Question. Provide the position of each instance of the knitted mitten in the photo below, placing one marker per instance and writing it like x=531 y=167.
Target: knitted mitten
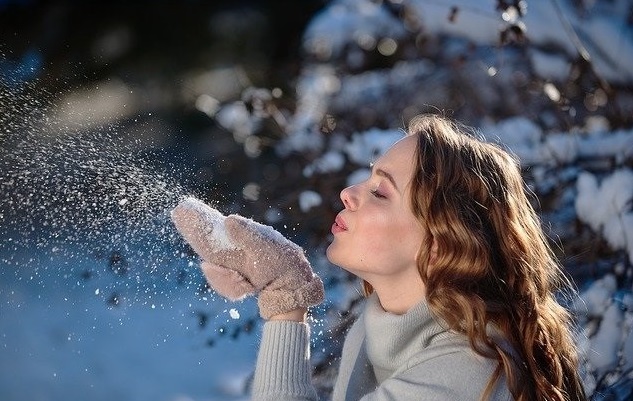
x=241 y=257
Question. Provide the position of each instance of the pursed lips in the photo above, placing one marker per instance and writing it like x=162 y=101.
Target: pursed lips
x=338 y=225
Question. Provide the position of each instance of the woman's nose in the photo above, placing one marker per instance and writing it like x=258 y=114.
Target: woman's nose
x=348 y=197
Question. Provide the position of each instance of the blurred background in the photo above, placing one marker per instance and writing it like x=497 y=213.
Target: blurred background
x=160 y=66
x=111 y=112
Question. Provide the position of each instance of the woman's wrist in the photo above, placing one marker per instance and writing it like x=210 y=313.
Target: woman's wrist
x=295 y=315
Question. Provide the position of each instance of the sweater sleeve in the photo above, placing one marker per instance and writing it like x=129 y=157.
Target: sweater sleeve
x=283 y=371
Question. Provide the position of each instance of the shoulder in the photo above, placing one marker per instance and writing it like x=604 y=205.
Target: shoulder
x=449 y=363
x=354 y=337
x=452 y=351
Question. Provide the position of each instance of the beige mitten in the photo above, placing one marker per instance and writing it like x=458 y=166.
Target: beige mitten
x=241 y=257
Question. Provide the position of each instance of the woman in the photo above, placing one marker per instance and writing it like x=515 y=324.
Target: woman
x=459 y=277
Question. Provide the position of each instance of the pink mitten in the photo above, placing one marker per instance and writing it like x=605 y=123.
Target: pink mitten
x=242 y=257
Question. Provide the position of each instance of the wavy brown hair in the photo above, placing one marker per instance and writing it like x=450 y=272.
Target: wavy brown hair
x=494 y=265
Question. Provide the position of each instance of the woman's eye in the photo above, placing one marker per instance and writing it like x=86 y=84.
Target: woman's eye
x=377 y=194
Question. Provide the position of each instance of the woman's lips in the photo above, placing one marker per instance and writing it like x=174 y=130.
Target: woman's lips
x=338 y=226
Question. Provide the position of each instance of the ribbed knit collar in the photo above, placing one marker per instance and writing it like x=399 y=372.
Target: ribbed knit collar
x=392 y=339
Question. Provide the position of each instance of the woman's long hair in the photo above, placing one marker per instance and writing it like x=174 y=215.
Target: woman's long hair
x=494 y=265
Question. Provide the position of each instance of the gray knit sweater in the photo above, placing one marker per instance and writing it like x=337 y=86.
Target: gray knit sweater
x=385 y=357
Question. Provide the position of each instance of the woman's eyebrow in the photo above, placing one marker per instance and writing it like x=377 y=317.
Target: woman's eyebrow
x=383 y=173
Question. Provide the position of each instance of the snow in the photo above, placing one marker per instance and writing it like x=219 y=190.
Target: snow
x=551 y=66
x=235 y=118
x=365 y=147
x=528 y=141
x=606 y=30
x=63 y=336
x=330 y=162
x=211 y=219
x=340 y=20
x=308 y=200
x=606 y=207
x=65 y=342
x=214 y=221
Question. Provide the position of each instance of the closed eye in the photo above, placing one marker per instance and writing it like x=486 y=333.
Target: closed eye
x=377 y=194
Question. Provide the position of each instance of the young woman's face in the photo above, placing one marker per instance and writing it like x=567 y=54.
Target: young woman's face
x=376 y=235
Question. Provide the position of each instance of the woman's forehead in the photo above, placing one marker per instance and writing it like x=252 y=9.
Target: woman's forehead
x=401 y=150
x=398 y=160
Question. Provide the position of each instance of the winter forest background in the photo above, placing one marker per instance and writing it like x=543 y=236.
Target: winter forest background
x=110 y=112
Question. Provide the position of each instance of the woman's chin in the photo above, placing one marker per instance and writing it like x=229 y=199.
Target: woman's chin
x=330 y=253
x=333 y=256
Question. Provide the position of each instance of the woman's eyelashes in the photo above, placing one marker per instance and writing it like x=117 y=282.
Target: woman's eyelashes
x=377 y=194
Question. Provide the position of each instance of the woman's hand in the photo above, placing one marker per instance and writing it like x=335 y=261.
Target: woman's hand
x=260 y=260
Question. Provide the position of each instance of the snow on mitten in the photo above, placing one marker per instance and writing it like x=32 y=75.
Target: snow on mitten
x=203 y=228
x=255 y=259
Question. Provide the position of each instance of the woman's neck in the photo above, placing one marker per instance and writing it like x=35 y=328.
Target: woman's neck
x=399 y=297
